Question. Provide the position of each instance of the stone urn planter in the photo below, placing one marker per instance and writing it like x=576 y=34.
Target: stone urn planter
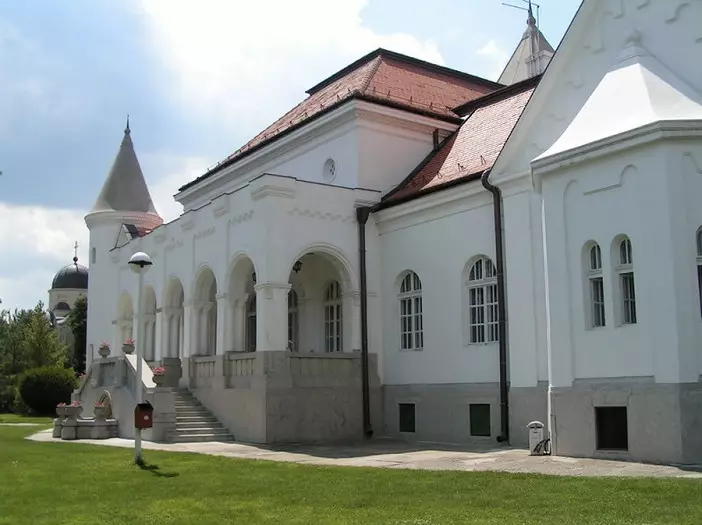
x=73 y=412
x=100 y=412
x=104 y=350
x=128 y=346
x=58 y=422
x=159 y=376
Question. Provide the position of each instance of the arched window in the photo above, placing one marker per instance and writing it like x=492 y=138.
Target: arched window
x=483 y=314
x=596 y=287
x=625 y=270
x=411 y=324
x=332 y=318
x=699 y=265
x=93 y=255
x=251 y=324
x=292 y=321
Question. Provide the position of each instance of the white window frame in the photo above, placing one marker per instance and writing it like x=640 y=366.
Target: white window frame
x=698 y=238
x=333 y=318
x=482 y=305
x=411 y=312
x=595 y=288
x=293 y=321
x=251 y=323
x=627 y=282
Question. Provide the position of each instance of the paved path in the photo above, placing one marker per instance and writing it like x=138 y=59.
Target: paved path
x=392 y=454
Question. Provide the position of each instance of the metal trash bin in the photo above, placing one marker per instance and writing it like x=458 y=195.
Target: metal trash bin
x=537 y=444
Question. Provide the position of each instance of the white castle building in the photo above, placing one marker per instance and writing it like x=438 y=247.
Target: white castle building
x=417 y=252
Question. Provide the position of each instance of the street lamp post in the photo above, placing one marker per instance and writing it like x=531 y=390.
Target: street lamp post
x=139 y=264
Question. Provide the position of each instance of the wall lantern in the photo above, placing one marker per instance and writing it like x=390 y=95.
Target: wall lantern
x=297 y=266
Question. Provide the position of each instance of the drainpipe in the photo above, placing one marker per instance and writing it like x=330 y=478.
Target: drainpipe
x=501 y=307
x=362 y=215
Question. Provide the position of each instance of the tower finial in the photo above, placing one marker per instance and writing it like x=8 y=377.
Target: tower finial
x=127 y=131
x=531 y=20
x=75 y=252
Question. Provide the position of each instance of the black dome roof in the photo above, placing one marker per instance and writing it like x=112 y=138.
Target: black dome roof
x=71 y=276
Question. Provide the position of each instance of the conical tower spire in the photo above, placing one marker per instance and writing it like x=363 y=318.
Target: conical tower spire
x=531 y=56
x=125 y=189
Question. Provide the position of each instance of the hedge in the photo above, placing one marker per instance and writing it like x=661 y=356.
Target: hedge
x=41 y=389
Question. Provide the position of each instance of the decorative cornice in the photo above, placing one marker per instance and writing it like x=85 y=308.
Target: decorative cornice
x=221 y=206
x=160 y=234
x=242 y=217
x=175 y=243
x=205 y=233
x=323 y=215
x=115 y=257
x=273 y=190
x=188 y=224
x=660 y=130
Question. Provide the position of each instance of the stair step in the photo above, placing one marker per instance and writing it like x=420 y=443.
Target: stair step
x=221 y=438
x=198 y=424
x=204 y=429
x=195 y=411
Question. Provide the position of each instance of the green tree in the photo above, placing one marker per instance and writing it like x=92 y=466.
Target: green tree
x=77 y=322
x=41 y=343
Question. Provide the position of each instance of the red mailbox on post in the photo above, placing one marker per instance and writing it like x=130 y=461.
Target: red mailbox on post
x=143 y=415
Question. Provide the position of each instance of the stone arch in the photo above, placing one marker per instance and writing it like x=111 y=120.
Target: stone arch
x=240 y=332
x=173 y=319
x=321 y=315
x=205 y=312
x=334 y=255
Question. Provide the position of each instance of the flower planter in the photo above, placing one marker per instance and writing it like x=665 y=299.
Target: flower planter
x=128 y=349
x=61 y=412
x=100 y=413
x=73 y=412
x=160 y=380
x=58 y=422
x=104 y=351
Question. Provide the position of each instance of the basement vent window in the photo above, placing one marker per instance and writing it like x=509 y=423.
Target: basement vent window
x=611 y=428
x=480 y=420
x=329 y=172
x=407 y=421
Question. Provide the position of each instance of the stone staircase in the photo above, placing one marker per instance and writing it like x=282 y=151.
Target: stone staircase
x=194 y=422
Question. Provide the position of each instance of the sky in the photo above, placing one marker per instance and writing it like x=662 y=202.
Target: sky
x=198 y=78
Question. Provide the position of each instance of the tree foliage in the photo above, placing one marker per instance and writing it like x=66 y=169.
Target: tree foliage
x=78 y=322
x=27 y=340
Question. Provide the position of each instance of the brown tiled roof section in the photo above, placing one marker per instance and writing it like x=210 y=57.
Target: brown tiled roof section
x=383 y=78
x=473 y=148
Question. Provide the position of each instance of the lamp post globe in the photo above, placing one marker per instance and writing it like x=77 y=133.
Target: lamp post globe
x=140 y=262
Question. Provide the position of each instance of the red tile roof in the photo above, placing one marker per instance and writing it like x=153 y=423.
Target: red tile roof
x=475 y=146
x=383 y=77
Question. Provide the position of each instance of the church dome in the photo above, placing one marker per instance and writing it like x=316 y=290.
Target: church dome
x=71 y=276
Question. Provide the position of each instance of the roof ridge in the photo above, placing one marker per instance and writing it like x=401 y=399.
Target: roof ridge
x=371 y=73
x=498 y=95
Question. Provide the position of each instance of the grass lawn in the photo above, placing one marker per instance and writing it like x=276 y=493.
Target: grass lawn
x=57 y=484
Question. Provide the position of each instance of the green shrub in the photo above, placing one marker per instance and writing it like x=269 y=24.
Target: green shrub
x=41 y=389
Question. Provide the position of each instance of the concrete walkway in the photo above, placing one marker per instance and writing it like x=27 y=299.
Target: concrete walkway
x=393 y=454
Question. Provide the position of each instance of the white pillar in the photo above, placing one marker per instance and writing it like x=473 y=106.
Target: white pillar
x=238 y=332
x=159 y=336
x=272 y=316
x=351 y=321
x=221 y=323
x=189 y=329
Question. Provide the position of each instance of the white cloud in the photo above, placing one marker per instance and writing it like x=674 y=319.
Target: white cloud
x=246 y=63
x=496 y=55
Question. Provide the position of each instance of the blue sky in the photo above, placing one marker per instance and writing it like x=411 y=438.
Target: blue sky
x=199 y=78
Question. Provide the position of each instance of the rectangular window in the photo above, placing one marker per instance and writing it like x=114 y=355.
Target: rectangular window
x=611 y=428
x=292 y=330
x=406 y=323
x=480 y=420
x=407 y=422
x=597 y=299
x=699 y=283
x=628 y=298
x=332 y=327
